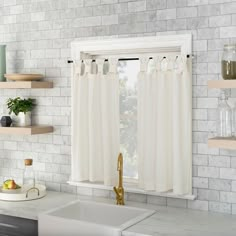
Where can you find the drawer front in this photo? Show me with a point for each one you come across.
(15, 226)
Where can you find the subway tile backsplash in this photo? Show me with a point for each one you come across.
(38, 36)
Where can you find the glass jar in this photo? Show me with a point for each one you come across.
(224, 121)
(228, 62)
(29, 175)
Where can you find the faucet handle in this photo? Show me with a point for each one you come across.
(119, 195)
(116, 191)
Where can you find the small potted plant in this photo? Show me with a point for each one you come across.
(21, 109)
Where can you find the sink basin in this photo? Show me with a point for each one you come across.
(87, 218)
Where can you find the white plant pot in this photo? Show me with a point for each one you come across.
(22, 119)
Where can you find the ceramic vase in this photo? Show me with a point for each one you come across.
(6, 121)
(2, 62)
(22, 119)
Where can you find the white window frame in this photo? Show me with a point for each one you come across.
(123, 47)
(120, 46)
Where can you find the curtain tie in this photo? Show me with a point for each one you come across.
(100, 63)
(144, 64)
(87, 63)
(77, 67)
(112, 65)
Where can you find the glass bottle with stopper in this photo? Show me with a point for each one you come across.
(29, 175)
(224, 121)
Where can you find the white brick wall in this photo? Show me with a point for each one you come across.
(38, 35)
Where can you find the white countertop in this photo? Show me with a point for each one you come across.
(31, 209)
(166, 222)
(170, 221)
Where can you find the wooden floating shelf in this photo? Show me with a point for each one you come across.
(27, 130)
(221, 84)
(226, 143)
(26, 85)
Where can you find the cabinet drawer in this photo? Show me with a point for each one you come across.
(15, 226)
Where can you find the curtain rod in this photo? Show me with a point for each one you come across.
(123, 59)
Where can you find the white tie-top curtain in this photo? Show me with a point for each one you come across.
(165, 125)
(95, 122)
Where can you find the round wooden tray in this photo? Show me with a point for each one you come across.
(23, 77)
(23, 195)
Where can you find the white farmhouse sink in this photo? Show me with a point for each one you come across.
(87, 218)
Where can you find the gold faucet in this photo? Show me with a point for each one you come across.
(119, 190)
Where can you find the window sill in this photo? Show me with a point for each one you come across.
(132, 188)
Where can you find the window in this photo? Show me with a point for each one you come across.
(151, 177)
(128, 71)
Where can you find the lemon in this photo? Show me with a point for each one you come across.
(5, 186)
(7, 181)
